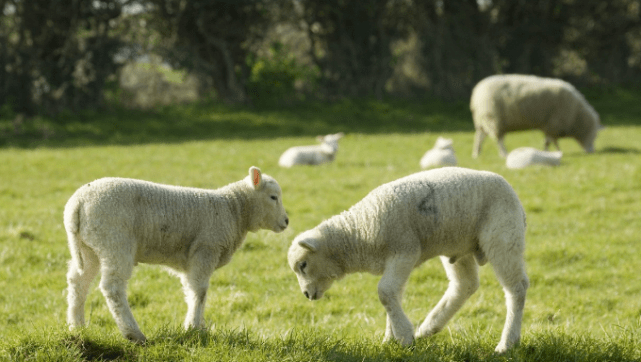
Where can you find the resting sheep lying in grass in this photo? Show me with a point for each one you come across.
(507, 103)
(312, 155)
(113, 224)
(527, 156)
(442, 154)
(466, 217)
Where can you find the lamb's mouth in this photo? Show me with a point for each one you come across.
(284, 224)
(317, 295)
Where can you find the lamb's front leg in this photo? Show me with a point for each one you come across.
(195, 284)
(390, 293)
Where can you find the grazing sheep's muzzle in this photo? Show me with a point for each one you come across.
(281, 226)
(310, 297)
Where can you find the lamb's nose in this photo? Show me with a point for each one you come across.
(286, 221)
(306, 295)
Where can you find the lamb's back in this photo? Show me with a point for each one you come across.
(440, 207)
(162, 220)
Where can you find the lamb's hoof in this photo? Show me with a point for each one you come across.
(137, 338)
(501, 348)
(424, 333)
(505, 346)
(406, 341)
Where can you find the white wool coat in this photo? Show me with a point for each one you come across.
(513, 102)
(325, 152)
(168, 223)
(113, 224)
(442, 154)
(464, 216)
(435, 212)
(527, 156)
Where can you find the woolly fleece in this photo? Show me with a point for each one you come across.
(114, 223)
(464, 216)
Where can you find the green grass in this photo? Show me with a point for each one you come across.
(583, 242)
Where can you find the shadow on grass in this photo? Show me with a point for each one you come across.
(621, 150)
(95, 351)
(308, 345)
(210, 121)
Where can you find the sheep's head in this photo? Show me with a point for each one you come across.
(315, 270)
(443, 143)
(329, 143)
(269, 211)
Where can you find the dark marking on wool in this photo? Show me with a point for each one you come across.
(427, 206)
(164, 228)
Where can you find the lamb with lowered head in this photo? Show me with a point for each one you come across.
(464, 216)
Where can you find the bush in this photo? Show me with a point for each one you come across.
(279, 77)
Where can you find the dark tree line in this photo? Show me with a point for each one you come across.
(62, 54)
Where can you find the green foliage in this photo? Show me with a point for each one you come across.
(274, 78)
(582, 240)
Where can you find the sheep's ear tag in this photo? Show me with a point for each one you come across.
(256, 177)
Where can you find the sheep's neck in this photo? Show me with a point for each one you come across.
(238, 203)
(352, 250)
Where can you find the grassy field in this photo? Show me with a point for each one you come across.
(583, 238)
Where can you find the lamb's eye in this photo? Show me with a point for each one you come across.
(275, 198)
(302, 267)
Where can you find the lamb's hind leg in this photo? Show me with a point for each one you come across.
(113, 284)
(78, 282)
(390, 293)
(510, 271)
(464, 281)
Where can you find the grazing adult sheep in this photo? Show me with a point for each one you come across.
(464, 216)
(442, 154)
(527, 156)
(512, 102)
(114, 223)
(312, 155)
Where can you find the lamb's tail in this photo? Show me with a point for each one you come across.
(72, 225)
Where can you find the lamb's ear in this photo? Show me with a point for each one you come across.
(308, 244)
(256, 177)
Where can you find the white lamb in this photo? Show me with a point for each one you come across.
(527, 156)
(312, 155)
(442, 154)
(464, 216)
(507, 103)
(114, 223)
